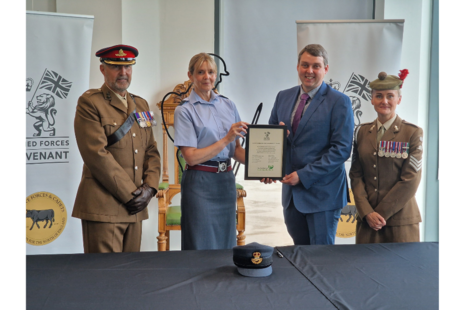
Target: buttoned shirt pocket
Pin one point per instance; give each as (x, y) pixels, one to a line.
(110, 125)
(397, 164)
(144, 134)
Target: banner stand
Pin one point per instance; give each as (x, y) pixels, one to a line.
(58, 51)
(358, 50)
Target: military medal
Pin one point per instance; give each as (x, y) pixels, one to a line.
(399, 150)
(144, 120)
(147, 119)
(137, 119)
(150, 118)
(140, 120)
(381, 149)
(387, 148)
(405, 148)
(154, 122)
(393, 149)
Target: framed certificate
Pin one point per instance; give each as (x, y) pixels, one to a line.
(265, 152)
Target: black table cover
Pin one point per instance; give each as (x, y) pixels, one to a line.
(389, 276)
(372, 276)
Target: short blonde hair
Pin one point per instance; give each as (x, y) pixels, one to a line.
(199, 59)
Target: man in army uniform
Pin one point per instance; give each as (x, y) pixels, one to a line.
(386, 169)
(121, 160)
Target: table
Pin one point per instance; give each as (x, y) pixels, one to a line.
(374, 276)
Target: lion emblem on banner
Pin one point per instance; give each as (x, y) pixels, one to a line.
(44, 113)
(43, 109)
(358, 89)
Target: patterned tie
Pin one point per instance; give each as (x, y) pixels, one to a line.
(298, 114)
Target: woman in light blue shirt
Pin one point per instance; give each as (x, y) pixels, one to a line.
(207, 128)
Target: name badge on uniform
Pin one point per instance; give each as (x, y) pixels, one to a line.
(145, 119)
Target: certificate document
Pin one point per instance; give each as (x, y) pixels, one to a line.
(265, 152)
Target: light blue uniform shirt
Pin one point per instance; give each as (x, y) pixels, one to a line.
(198, 123)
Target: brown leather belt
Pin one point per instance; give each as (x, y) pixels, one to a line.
(212, 166)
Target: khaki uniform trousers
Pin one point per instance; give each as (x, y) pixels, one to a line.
(102, 237)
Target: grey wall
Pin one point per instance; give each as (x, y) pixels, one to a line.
(41, 5)
(259, 44)
(167, 37)
(432, 165)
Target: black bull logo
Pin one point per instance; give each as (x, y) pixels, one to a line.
(349, 210)
(40, 216)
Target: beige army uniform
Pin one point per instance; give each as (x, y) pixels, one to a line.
(110, 174)
(387, 185)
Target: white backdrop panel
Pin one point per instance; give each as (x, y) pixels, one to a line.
(259, 45)
(358, 51)
(356, 48)
(58, 49)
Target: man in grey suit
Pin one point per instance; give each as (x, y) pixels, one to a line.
(320, 129)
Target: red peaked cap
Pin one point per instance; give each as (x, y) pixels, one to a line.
(118, 54)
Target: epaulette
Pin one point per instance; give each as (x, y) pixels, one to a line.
(357, 128)
(134, 95)
(407, 123)
(223, 96)
(356, 133)
(92, 91)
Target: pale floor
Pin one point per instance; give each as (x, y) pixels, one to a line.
(264, 216)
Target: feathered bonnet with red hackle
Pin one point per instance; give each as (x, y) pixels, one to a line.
(386, 82)
(402, 75)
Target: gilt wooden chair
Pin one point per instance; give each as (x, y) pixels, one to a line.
(169, 216)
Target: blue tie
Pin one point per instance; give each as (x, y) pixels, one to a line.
(298, 114)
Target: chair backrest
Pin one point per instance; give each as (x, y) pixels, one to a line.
(169, 106)
(177, 170)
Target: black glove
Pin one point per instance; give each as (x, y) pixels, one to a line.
(141, 199)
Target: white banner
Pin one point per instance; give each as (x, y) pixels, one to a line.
(358, 50)
(58, 51)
